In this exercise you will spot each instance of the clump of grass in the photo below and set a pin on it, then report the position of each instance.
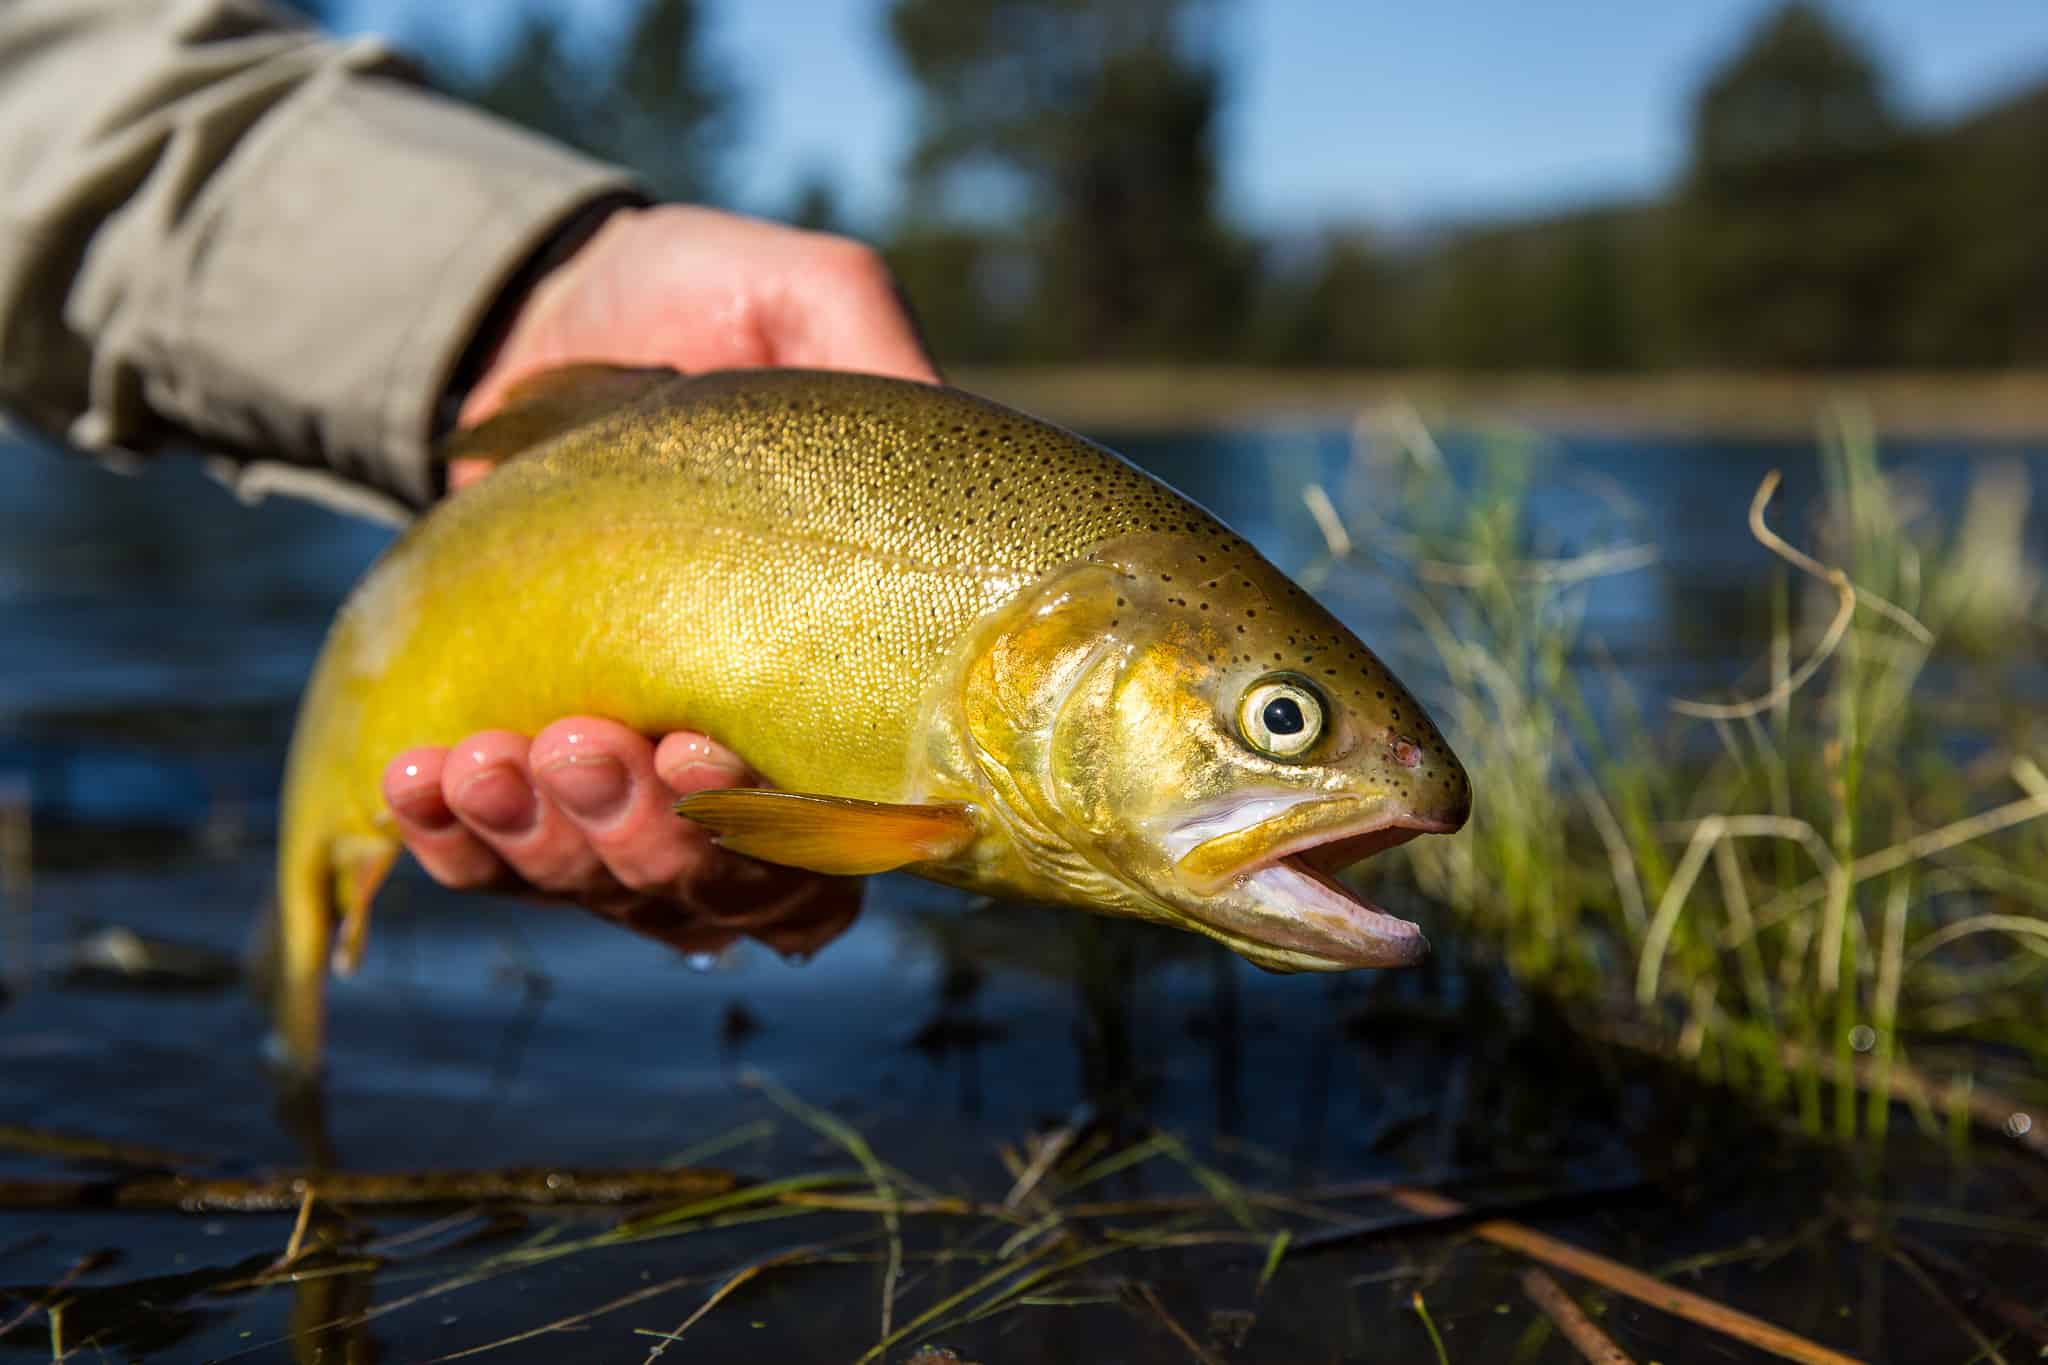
(1826, 884)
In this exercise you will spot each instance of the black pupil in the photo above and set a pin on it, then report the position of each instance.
(1283, 716)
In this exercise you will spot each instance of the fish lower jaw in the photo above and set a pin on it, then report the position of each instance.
(1308, 917)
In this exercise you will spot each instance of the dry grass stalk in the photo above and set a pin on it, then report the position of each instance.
(295, 1245)
(1571, 1320)
(1609, 1274)
(1149, 1297)
(719, 1294)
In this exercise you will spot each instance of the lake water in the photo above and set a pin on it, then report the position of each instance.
(154, 634)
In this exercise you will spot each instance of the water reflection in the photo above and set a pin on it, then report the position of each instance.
(943, 1033)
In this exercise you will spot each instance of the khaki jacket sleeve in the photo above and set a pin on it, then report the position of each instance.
(218, 227)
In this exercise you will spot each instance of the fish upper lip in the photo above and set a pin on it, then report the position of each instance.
(1341, 847)
(1340, 844)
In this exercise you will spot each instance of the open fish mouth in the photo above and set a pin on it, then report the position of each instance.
(1300, 917)
(1336, 926)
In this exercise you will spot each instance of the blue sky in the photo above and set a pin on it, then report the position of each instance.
(1341, 109)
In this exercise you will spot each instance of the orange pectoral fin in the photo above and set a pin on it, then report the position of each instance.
(829, 834)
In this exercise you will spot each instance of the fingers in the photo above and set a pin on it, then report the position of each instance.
(488, 783)
(585, 813)
(604, 776)
(451, 854)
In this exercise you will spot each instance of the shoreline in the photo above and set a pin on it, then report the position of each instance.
(1998, 405)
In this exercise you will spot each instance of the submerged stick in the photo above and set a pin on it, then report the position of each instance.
(1987, 1350)
(1610, 1274)
(285, 1192)
(1571, 1321)
(1969, 1283)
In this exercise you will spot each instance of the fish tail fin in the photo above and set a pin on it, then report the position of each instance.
(303, 943)
(329, 882)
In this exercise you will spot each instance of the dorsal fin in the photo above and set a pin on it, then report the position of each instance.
(544, 405)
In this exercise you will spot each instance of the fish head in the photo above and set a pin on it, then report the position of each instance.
(1215, 746)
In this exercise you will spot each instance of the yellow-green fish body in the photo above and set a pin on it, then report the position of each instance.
(1038, 658)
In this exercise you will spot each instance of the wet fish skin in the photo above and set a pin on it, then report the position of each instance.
(883, 592)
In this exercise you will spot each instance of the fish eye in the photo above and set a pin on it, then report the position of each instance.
(1280, 717)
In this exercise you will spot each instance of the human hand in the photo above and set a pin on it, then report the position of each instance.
(695, 289)
(585, 812)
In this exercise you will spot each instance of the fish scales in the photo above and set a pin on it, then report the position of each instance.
(814, 539)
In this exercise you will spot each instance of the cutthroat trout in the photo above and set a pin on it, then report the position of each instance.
(959, 641)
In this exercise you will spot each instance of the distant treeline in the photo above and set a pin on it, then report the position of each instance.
(1061, 204)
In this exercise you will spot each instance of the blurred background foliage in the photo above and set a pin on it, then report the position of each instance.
(1061, 202)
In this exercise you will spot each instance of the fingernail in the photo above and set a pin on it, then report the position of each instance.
(500, 799)
(593, 787)
(420, 801)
